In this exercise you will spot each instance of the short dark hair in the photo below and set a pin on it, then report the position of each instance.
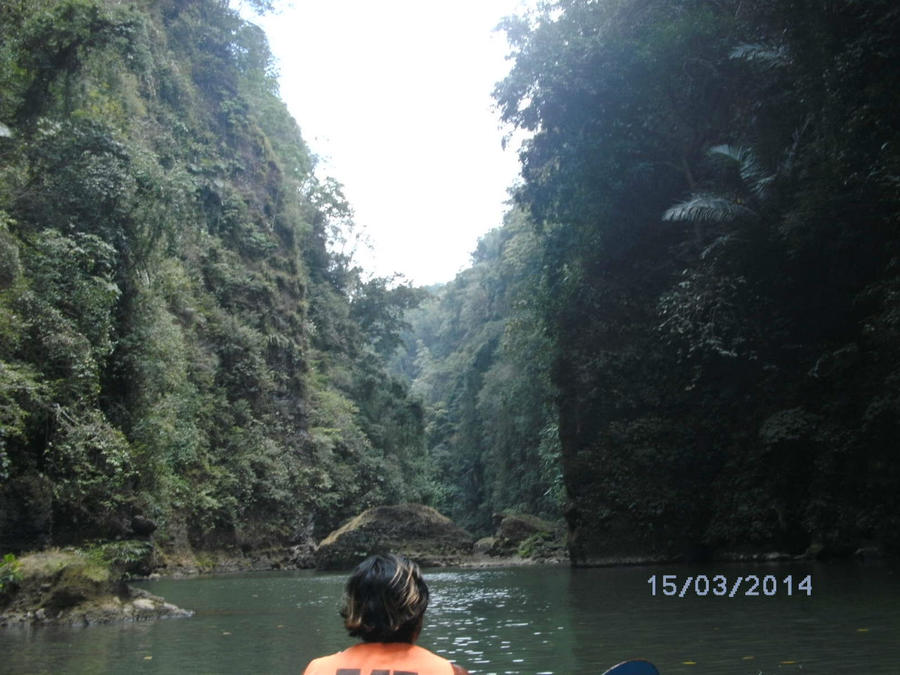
(385, 600)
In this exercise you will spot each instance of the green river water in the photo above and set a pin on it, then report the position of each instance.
(512, 620)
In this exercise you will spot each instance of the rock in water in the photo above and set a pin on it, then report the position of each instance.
(419, 532)
(527, 536)
(70, 588)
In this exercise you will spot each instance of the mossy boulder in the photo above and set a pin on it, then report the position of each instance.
(78, 581)
(416, 531)
(527, 536)
(70, 587)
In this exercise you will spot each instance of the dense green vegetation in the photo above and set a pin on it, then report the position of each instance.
(684, 336)
(181, 345)
(478, 356)
(714, 192)
(698, 290)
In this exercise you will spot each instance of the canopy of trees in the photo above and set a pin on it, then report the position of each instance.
(713, 188)
(685, 336)
(478, 357)
(180, 341)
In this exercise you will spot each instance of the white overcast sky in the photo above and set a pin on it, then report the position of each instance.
(394, 96)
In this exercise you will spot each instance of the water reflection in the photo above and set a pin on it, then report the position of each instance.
(528, 620)
(504, 621)
(744, 634)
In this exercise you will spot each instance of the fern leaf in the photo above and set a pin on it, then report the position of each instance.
(765, 55)
(708, 208)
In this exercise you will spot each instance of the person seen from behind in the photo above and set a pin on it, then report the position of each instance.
(384, 605)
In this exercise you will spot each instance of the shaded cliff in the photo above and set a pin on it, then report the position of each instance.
(692, 311)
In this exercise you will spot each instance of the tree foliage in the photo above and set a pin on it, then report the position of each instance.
(714, 191)
(476, 354)
(181, 340)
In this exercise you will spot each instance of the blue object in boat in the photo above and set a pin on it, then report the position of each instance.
(635, 667)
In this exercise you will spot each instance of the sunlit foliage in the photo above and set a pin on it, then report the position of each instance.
(478, 355)
(180, 341)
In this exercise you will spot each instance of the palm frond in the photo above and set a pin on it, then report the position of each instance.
(736, 153)
(716, 245)
(752, 174)
(760, 187)
(708, 208)
(769, 56)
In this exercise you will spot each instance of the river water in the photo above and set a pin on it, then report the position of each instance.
(846, 619)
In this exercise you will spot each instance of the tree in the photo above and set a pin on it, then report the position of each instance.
(181, 340)
(682, 349)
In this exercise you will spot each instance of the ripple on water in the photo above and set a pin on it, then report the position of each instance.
(508, 622)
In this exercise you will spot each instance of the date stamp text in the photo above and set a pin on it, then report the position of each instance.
(724, 586)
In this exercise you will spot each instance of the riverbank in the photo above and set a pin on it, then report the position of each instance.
(188, 564)
(89, 586)
(70, 588)
(415, 530)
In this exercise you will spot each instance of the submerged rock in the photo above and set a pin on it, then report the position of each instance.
(69, 588)
(417, 531)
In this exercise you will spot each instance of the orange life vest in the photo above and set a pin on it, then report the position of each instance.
(381, 658)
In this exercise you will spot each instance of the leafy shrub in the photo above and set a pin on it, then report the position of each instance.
(10, 572)
(131, 556)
